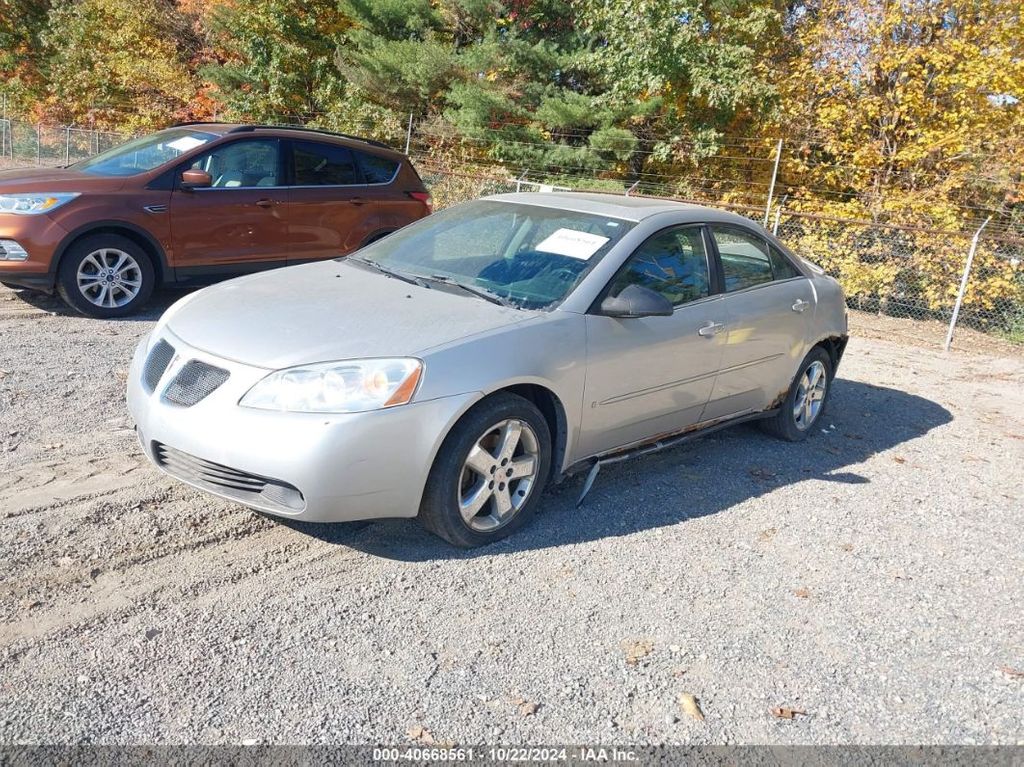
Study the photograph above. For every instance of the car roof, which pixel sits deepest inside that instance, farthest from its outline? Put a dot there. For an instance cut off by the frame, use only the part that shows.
(223, 129)
(619, 206)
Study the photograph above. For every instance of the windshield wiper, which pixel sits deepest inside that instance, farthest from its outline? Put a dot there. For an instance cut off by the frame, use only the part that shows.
(483, 293)
(388, 271)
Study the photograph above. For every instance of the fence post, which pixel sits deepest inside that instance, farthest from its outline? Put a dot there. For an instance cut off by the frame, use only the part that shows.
(408, 134)
(771, 187)
(39, 146)
(635, 185)
(775, 226)
(963, 283)
(67, 145)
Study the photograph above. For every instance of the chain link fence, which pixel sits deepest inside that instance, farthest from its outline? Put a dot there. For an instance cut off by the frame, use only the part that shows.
(24, 143)
(909, 277)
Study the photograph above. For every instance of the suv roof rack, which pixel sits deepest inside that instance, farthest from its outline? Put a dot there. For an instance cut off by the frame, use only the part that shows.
(250, 128)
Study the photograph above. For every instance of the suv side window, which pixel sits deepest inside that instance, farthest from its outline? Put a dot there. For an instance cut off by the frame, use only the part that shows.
(377, 170)
(744, 256)
(246, 163)
(324, 165)
(673, 263)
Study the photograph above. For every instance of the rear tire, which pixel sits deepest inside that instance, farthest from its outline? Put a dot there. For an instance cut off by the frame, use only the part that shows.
(489, 474)
(805, 403)
(106, 276)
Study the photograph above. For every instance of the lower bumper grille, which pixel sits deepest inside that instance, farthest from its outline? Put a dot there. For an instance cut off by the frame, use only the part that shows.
(239, 485)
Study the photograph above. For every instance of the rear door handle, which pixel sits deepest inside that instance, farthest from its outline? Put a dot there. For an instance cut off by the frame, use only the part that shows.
(266, 203)
(799, 305)
(358, 201)
(710, 329)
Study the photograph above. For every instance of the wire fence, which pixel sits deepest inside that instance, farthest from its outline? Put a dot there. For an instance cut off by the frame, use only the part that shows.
(925, 283)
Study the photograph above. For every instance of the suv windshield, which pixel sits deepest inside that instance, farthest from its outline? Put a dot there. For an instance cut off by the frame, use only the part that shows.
(144, 153)
(529, 255)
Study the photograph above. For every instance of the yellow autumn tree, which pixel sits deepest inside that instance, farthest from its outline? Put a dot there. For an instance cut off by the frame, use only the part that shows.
(909, 113)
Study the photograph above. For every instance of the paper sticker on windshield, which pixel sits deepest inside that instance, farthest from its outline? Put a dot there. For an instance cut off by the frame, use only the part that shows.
(574, 244)
(185, 143)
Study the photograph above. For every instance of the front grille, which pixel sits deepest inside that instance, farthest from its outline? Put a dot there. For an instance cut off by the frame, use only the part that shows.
(159, 358)
(223, 480)
(195, 381)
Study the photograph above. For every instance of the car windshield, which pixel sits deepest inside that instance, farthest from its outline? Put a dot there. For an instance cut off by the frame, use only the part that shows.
(144, 153)
(526, 255)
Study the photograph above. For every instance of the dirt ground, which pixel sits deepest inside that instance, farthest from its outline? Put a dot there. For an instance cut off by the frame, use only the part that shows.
(870, 578)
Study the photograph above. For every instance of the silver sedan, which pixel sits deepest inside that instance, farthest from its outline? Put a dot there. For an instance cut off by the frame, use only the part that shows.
(453, 369)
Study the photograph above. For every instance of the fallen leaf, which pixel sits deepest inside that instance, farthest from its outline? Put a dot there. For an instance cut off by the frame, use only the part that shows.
(847, 547)
(899, 459)
(802, 593)
(759, 473)
(783, 712)
(421, 734)
(767, 535)
(636, 650)
(526, 708)
(1012, 672)
(688, 703)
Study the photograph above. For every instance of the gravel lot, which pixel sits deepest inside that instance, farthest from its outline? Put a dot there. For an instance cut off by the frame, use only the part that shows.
(872, 577)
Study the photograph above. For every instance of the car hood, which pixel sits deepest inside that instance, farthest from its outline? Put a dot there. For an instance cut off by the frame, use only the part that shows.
(54, 180)
(329, 311)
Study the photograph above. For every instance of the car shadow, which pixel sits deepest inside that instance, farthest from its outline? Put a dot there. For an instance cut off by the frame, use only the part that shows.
(158, 303)
(703, 477)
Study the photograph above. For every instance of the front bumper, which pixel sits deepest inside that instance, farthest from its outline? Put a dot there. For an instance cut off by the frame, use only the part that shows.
(41, 238)
(313, 466)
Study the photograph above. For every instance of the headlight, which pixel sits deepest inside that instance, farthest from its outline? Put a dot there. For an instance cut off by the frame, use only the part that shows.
(35, 203)
(346, 386)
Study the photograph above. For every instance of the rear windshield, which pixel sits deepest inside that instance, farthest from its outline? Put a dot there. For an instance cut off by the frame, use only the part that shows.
(146, 153)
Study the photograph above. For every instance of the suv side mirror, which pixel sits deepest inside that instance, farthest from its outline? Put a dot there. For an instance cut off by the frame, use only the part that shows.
(636, 301)
(194, 178)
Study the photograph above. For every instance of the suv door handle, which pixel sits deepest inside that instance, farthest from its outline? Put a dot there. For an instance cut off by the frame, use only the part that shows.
(358, 201)
(710, 329)
(799, 305)
(266, 203)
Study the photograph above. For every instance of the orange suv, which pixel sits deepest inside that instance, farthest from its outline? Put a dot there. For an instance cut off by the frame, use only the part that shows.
(195, 203)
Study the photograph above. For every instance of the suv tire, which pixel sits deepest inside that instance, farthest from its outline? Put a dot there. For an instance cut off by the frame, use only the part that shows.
(106, 276)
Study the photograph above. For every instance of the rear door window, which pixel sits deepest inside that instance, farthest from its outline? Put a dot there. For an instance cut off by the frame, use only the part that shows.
(324, 165)
(744, 256)
(377, 170)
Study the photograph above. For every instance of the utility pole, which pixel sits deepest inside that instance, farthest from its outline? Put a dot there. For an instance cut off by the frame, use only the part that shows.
(771, 187)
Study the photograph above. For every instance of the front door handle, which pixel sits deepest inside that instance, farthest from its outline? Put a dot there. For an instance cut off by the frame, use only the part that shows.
(799, 305)
(710, 329)
(266, 203)
(358, 201)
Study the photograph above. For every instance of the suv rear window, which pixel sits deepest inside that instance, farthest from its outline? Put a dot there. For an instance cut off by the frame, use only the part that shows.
(377, 170)
(324, 165)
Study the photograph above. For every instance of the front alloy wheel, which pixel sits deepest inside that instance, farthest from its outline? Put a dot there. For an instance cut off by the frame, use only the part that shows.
(488, 475)
(105, 276)
(499, 474)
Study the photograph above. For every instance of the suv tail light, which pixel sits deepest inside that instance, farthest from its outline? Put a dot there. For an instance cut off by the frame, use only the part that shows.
(423, 197)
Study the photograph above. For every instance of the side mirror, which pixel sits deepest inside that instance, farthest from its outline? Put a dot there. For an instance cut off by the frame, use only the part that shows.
(195, 179)
(636, 301)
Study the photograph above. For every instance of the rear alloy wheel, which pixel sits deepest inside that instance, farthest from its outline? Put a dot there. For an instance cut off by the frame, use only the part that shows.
(489, 473)
(806, 399)
(106, 276)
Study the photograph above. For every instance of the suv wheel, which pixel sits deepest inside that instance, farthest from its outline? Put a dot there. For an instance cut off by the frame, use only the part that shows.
(489, 474)
(105, 276)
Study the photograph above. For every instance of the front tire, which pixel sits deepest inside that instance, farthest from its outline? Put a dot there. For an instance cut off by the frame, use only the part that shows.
(806, 400)
(106, 276)
(488, 476)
